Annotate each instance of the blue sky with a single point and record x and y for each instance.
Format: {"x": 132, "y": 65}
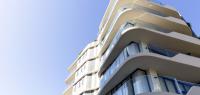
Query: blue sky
{"x": 40, "y": 38}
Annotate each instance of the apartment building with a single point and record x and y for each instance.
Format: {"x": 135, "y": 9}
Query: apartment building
{"x": 144, "y": 47}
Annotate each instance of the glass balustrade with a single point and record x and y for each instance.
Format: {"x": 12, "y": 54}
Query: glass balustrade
{"x": 138, "y": 7}
{"x": 131, "y": 49}
{"x": 118, "y": 35}
{"x": 111, "y": 27}
{"x": 138, "y": 83}
{"x": 115, "y": 39}
{"x": 161, "y": 51}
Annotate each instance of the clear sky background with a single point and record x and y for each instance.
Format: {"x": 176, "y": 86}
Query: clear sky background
{"x": 40, "y": 38}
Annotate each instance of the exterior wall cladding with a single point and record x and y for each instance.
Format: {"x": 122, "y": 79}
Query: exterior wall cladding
{"x": 143, "y": 48}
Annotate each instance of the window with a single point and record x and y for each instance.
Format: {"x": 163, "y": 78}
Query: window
{"x": 117, "y": 91}
{"x": 127, "y": 88}
{"x": 163, "y": 85}
{"x": 112, "y": 69}
{"x": 184, "y": 87}
{"x": 158, "y": 50}
{"x": 140, "y": 82}
{"x": 132, "y": 49}
{"x": 168, "y": 85}
{"x": 121, "y": 58}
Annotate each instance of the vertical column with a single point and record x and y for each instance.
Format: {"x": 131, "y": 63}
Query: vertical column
{"x": 154, "y": 81}
{"x": 144, "y": 47}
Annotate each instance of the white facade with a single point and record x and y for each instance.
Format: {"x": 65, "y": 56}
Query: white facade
{"x": 83, "y": 78}
{"x": 144, "y": 47}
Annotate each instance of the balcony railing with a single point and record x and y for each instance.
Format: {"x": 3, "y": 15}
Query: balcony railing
{"x": 115, "y": 40}
{"x": 112, "y": 8}
{"x": 109, "y": 30}
{"x": 130, "y": 50}
{"x": 129, "y": 24}
{"x": 161, "y": 51}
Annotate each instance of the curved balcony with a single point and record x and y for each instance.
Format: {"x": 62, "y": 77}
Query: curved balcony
{"x": 90, "y": 67}
{"x": 115, "y": 5}
{"x": 138, "y": 83}
{"x": 139, "y": 8}
{"x": 164, "y": 65}
{"x": 73, "y": 78}
{"x": 88, "y": 83}
{"x": 140, "y": 16}
{"x": 84, "y": 75}
{"x": 178, "y": 42}
{"x": 72, "y": 68}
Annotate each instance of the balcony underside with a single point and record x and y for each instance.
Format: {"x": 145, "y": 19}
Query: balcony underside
{"x": 173, "y": 41}
{"x": 179, "y": 66}
{"x": 168, "y": 23}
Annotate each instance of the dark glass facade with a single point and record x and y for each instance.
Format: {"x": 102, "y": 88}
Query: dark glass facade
{"x": 139, "y": 82}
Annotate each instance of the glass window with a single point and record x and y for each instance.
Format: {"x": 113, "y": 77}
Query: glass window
{"x": 161, "y": 51}
{"x": 187, "y": 87}
{"x": 121, "y": 58}
{"x": 162, "y": 84}
{"x": 112, "y": 69}
{"x": 127, "y": 88}
{"x": 184, "y": 87}
{"x": 118, "y": 91}
{"x": 125, "y": 53}
{"x": 102, "y": 81}
{"x": 132, "y": 49}
{"x": 170, "y": 85}
{"x": 181, "y": 86}
{"x": 117, "y": 63}
{"x": 140, "y": 82}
